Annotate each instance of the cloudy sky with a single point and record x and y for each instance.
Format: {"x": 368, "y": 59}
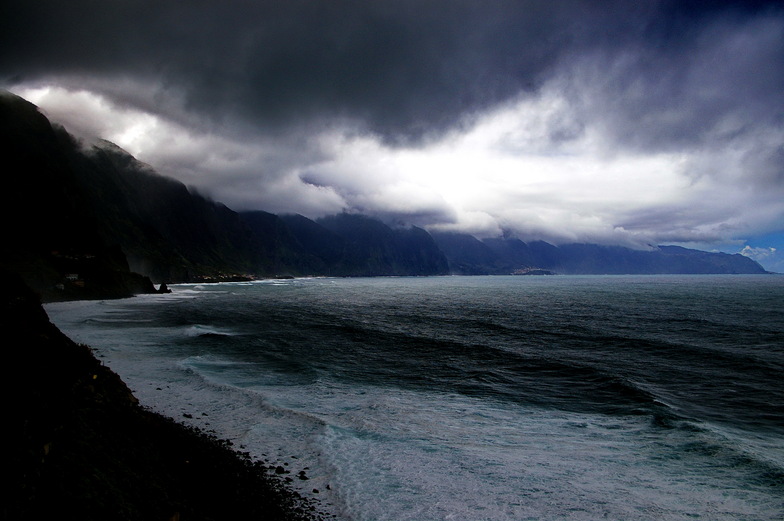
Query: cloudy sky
{"x": 617, "y": 122}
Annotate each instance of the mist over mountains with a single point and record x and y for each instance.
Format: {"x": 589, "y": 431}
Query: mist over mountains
{"x": 91, "y": 220}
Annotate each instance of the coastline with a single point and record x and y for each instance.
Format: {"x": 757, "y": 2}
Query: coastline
{"x": 81, "y": 446}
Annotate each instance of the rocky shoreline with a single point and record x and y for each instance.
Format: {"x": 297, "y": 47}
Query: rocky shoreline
{"x": 81, "y": 446}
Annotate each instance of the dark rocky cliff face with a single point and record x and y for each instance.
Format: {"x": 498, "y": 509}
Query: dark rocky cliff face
{"x": 63, "y": 200}
{"x": 50, "y": 235}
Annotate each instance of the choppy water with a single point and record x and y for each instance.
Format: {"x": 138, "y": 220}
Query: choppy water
{"x": 476, "y": 398}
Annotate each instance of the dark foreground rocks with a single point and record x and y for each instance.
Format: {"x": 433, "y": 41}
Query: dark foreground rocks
{"x": 79, "y": 446}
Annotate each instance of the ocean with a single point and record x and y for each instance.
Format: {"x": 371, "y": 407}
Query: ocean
{"x": 475, "y": 398}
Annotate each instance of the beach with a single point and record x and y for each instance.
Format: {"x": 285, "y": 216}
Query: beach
{"x": 81, "y": 446}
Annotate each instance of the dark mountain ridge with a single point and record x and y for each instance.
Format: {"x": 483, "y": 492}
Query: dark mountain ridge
{"x": 73, "y": 210}
{"x": 499, "y": 256}
{"x": 91, "y": 221}
{"x": 371, "y": 248}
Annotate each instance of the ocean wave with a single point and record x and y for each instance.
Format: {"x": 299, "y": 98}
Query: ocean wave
{"x": 102, "y": 320}
{"x": 526, "y": 406}
{"x": 206, "y": 331}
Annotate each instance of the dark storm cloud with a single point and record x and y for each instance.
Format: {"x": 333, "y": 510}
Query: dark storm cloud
{"x": 692, "y": 91}
{"x": 631, "y": 121}
{"x": 402, "y": 69}
{"x": 398, "y": 67}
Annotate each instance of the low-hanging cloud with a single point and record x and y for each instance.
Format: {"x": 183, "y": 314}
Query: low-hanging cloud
{"x": 622, "y": 122}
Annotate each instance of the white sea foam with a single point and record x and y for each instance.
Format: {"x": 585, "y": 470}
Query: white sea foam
{"x": 109, "y": 320}
{"x": 385, "y": 452}
{"x": 203, "y": 329}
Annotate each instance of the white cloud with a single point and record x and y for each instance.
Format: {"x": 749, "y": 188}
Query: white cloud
{"x": 87, "y": 114}
{"x": 769, "y": 257}
{"x": 758, "y": 254}
{"x": 539, "y": 166}
{"x": 510, "y": 170}
{"x": 242, "y": 174}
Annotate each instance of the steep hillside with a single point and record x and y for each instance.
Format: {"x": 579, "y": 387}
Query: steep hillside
{"x": 51, "y": 236}
{"x": 166, "y": 230}
{"x": 67, "y": 202}
{"x": 371, "y": 248}
{"x": 282, "y": 251}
